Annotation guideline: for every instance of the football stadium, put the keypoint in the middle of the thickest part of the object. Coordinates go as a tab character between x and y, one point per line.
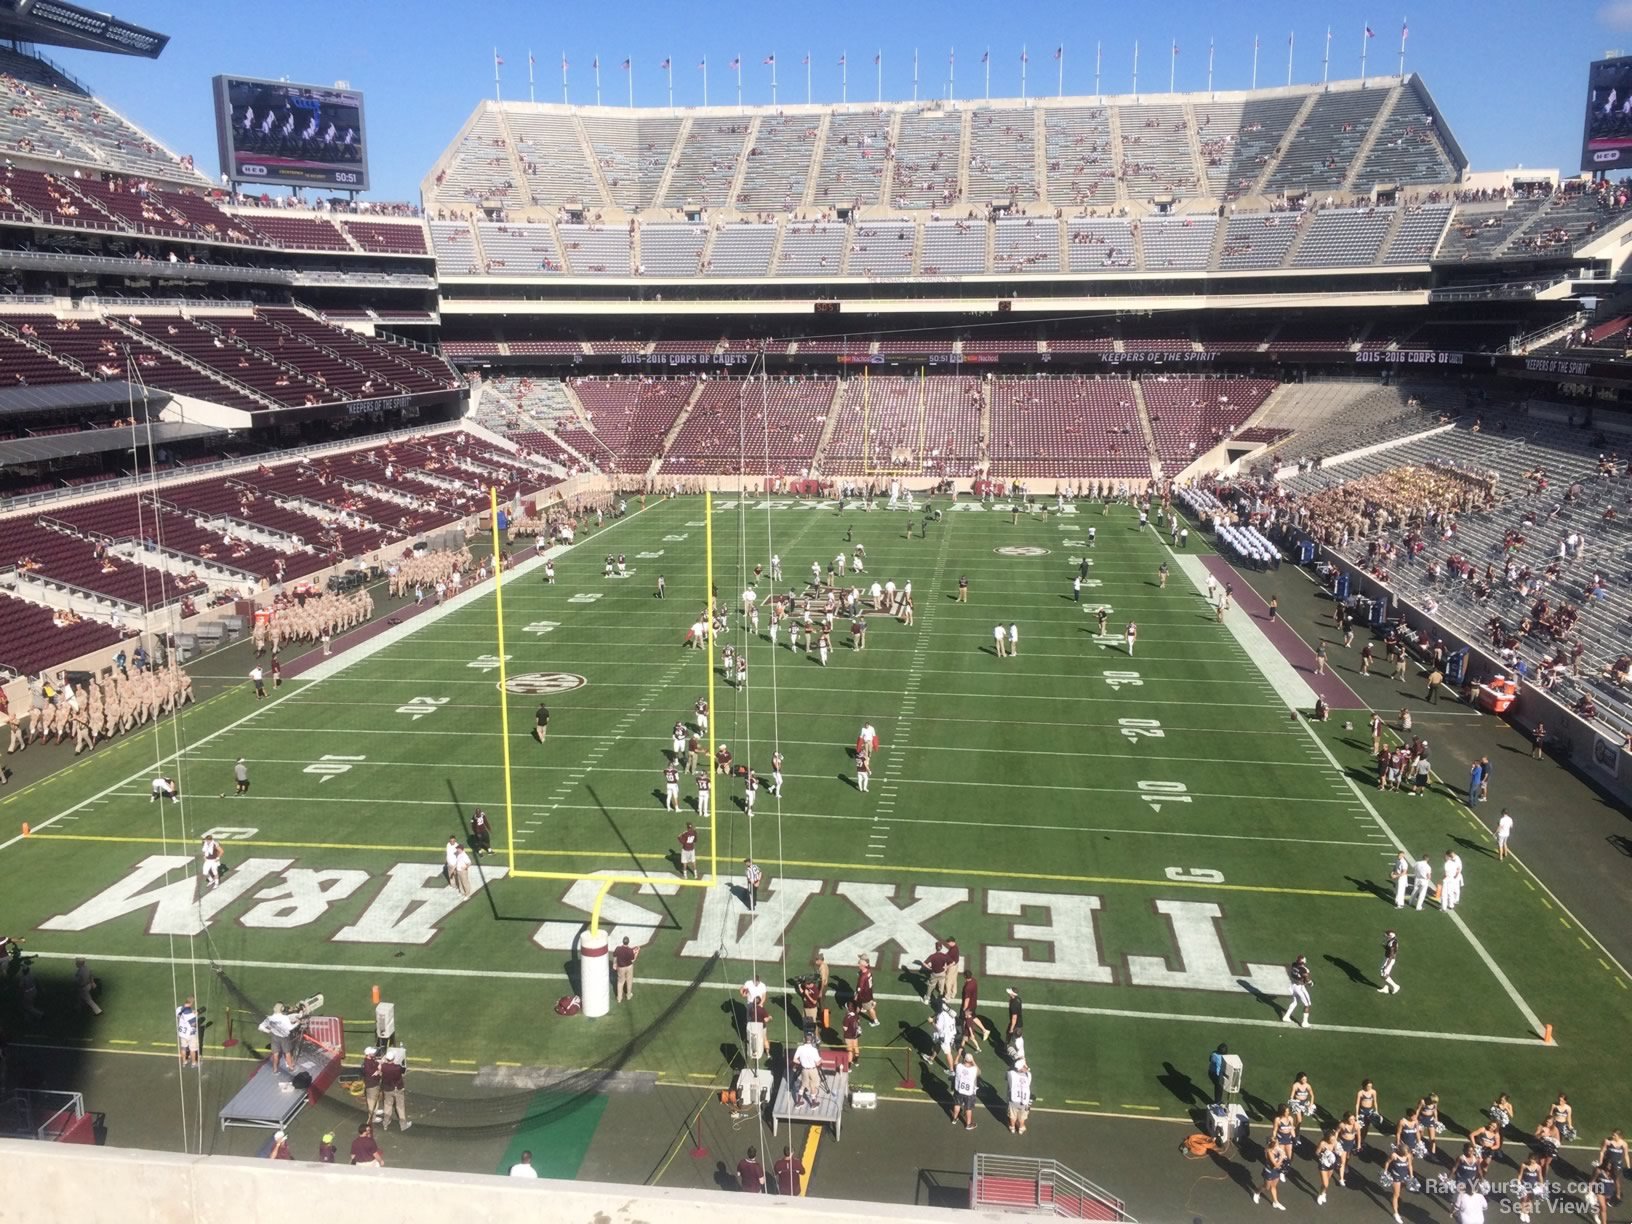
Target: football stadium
723	639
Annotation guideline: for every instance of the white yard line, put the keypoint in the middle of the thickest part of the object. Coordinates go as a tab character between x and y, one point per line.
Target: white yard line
329	668
1299	696
522	975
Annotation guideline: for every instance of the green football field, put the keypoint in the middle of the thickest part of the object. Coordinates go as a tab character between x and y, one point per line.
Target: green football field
1139	846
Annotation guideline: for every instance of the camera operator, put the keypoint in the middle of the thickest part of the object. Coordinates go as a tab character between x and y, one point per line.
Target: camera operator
283	1027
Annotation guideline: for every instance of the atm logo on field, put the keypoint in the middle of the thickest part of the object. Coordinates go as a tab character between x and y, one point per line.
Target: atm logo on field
545	683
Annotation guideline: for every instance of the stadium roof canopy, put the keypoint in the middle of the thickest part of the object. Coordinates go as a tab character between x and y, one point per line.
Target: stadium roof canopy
58	24
20	401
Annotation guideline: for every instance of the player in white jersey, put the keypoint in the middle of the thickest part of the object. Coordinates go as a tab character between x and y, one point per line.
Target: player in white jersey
1401	875
1212	589
1131	634
776	774
776	623
1504	830
1391	954
776	567
1450	889
210	851
1422	881
1300	981
750	791
824	646
671	787
742	670
677	741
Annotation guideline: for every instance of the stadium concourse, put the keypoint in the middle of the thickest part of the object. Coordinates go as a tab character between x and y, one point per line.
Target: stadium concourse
1106	496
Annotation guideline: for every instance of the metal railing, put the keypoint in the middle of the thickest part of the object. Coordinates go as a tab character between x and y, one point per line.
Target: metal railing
1040	1187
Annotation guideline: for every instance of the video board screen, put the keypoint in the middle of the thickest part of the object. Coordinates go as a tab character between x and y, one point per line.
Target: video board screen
1606	142
288	135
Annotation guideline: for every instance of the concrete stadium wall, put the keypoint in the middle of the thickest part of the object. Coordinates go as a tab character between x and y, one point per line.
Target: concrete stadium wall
92	1185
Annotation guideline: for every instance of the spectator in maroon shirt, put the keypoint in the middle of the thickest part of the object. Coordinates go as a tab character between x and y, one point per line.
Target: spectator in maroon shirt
363	1148
790	1171
751	1173
972	1022
326	1150
810	999
280	1147
934	966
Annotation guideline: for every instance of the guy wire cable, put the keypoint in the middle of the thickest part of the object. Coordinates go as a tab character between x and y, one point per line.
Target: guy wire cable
142	431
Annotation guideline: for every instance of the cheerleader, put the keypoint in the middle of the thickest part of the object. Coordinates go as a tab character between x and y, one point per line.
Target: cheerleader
1487	1141
1563	1117
1532	1186
1612	1157
1365	1109
1348	1143
1469	1168
1328	1156
1603	1189
1428	1115
1408	1134
1397	1175
1275	1161
1285	1129
1546	1145
1501	1112
1301	1101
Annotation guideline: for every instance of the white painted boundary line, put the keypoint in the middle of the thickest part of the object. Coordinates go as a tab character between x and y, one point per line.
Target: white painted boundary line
305	680
1282	676
689	984
1273	669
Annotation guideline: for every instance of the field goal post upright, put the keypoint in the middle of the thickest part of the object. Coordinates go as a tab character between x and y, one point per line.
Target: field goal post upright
504	680
607	880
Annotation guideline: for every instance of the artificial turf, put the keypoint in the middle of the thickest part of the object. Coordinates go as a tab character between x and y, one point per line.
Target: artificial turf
1070	815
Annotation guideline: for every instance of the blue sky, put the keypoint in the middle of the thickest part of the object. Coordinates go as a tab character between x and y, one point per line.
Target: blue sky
1510	75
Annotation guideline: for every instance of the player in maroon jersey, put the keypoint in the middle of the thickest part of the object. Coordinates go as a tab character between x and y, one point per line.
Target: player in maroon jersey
688	849
863	999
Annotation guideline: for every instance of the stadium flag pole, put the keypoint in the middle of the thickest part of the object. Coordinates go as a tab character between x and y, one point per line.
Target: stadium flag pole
844	77
713	723
497	64
531	96
597	67
986	59
504	689
1405	28
737	64
771	59
1326	60
668	67
1059	71
878	65
704	67
1210	95
807	78
1255	44
1136	70
1023	59
1173	66
1365	45
915	74
565	101
629	77
951	73
1099	59
1291	39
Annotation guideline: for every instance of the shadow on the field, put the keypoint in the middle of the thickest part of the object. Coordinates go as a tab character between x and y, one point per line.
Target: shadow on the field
1184	1089
1620	843
1376	888
1473	847
1269	1001
1350	970
948	1188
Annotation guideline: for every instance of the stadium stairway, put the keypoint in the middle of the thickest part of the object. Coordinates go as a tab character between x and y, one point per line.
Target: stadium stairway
813	179
1192	130
1274	163
587	148
674	430
681	135
984	452
1364	151
1145	429
830	425
518	171
740	175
